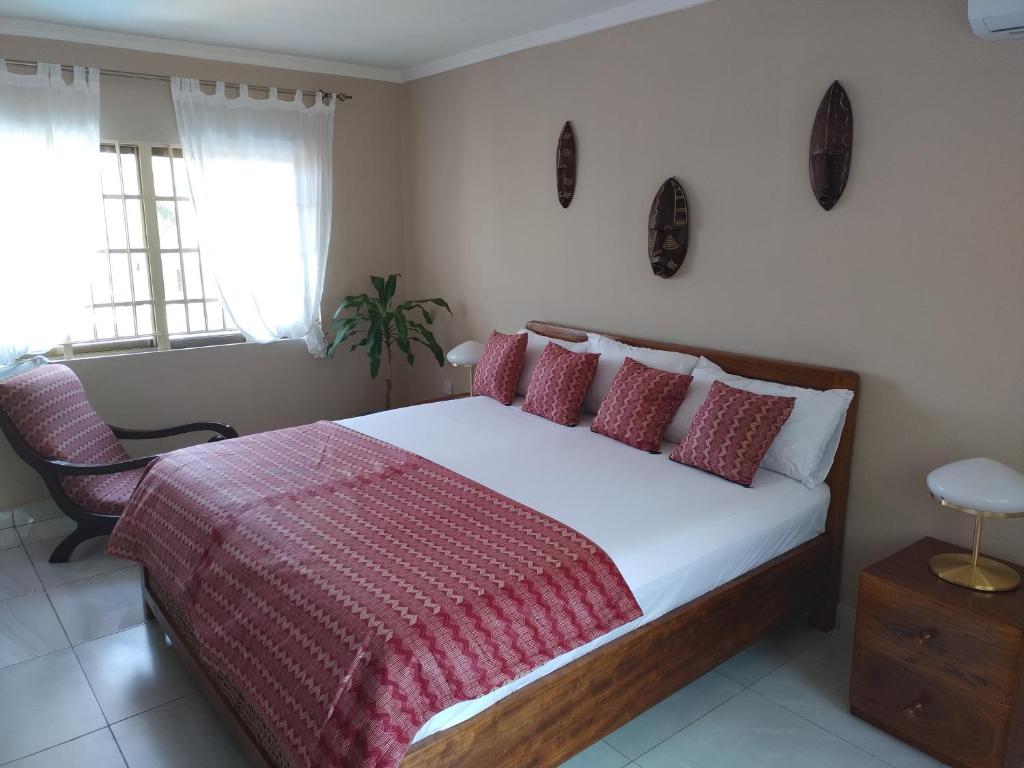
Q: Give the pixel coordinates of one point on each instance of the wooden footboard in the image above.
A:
(550, 720)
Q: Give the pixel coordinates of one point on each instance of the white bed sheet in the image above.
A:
(674, 532)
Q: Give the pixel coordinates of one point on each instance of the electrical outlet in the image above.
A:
(448, 387)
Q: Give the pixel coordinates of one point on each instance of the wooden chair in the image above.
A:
(48, 420)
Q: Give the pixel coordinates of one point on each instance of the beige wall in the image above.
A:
(914, 279)
(253, 386)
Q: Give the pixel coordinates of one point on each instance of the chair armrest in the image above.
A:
(223, 430)
(66, 468)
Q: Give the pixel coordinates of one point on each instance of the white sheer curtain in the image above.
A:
(260, 171)
(50, 203)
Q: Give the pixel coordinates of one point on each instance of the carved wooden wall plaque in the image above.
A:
(565, 165)
(831, 146)
(668, 229)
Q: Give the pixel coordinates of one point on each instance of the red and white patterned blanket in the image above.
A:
(351, 590)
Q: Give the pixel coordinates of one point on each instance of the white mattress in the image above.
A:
(674, 532)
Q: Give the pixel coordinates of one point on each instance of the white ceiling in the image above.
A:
(385, 39)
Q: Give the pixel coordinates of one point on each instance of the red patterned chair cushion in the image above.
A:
(48, 407)
(732, 431)
(640, 404)
(559, 383)
(107, 494)
(497, 373)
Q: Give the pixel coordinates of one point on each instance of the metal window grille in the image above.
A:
(148, 284)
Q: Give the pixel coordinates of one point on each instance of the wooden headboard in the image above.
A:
(797, 374)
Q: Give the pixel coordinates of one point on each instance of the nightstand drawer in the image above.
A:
(981, 658)
(941, 719)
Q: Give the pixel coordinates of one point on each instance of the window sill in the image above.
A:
(143, 346)
(206, 340)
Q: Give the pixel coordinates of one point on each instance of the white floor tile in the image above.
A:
(764, 657)
(95, 750)
(816, 686)
(28, 628)
(89, 559)
(42, 530)
(673, 714)
(599, 755)
(40, 510)
(183, 734)
(45, 701)
(9, 539)
(748, 731)
(133, 671)
(99, 606)
(52, 713)
(17, 576)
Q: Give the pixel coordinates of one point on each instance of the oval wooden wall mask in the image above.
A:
(668, 229)
(831, 146)
(565, 165)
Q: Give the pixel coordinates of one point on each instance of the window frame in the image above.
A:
(161, 340)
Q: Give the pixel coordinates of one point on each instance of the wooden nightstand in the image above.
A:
(940, 666)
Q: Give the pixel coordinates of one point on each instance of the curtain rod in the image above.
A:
(340, 95)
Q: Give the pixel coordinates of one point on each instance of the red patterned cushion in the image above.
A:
(48, 407)
(558, 384)
(103, 493)
(640, 404)
(497, 373)
(732, 431)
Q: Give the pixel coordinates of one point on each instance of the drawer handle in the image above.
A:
(914, 709)
(923, 638)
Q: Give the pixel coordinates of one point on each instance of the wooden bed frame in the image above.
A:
(559, 715)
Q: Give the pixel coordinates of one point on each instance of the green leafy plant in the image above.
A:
(383, 325)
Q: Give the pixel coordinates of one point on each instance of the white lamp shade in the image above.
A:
(467, 353)
(985, 485)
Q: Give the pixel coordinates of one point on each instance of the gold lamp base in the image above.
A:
(987, 576)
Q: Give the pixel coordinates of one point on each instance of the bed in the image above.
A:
(712, 573)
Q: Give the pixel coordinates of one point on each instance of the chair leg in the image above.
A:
(62, 552)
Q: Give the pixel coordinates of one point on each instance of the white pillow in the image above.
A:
(703, 375)
(535, 344)
(805, 446)
(613, 355)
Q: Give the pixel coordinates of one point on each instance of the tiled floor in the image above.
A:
(84, 682)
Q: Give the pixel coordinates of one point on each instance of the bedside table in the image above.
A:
(939, 666)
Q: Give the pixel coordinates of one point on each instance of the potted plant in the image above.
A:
(383, 325)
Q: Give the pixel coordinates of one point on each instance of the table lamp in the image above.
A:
(983, 488)
(467, 355)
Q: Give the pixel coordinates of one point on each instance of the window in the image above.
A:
(191, 303)
(148, 284)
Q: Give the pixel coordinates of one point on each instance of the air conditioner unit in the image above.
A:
(997, 19)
